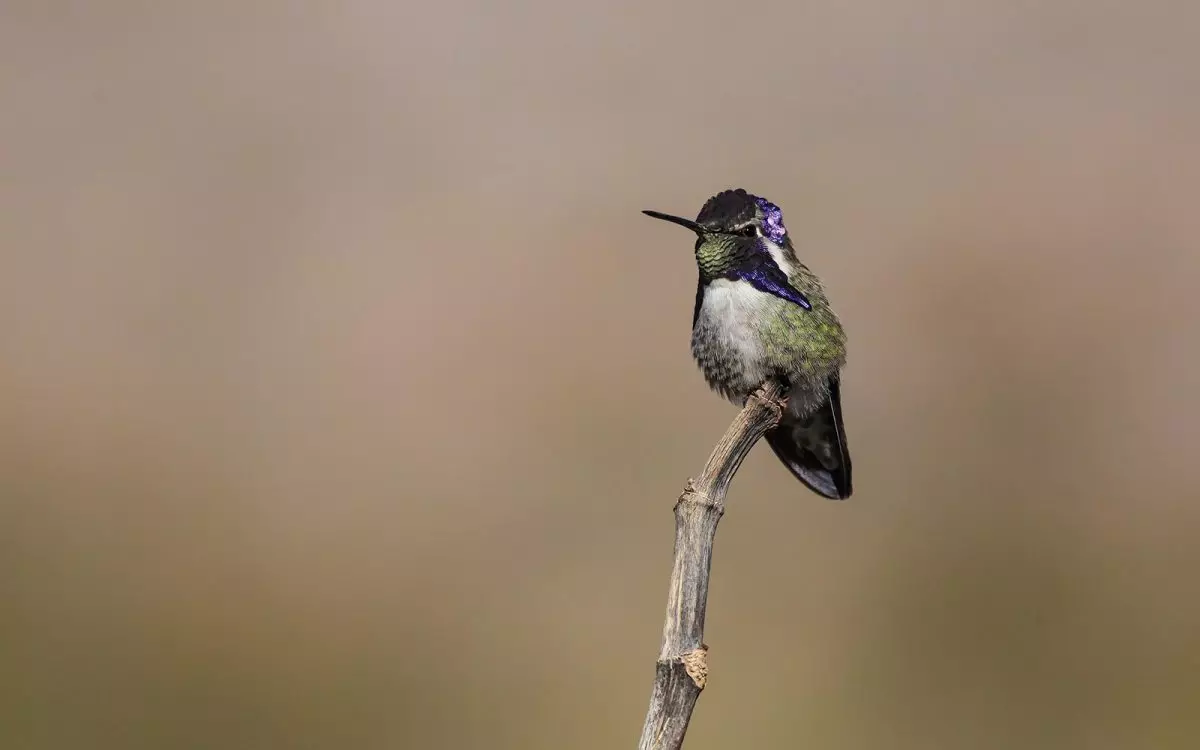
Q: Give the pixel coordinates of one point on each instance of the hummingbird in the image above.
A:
(762, 314)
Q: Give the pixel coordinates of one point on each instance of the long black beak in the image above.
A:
(677, 220)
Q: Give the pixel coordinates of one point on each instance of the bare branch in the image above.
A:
(682, 668)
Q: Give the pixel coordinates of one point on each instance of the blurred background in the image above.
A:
(345, 393)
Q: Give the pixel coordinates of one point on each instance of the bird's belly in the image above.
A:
(727, 338)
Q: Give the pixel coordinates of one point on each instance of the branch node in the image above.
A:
(692, 495)
(695, 663)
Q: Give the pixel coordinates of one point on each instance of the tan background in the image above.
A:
(344, 392)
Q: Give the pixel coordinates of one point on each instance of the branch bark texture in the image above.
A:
(682, 668)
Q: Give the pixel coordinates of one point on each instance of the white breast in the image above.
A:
(727, 327)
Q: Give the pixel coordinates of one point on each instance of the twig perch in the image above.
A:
(682, 668)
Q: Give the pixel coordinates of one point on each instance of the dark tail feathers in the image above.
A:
(815, 449)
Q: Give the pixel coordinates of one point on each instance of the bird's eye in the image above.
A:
(750, 230)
